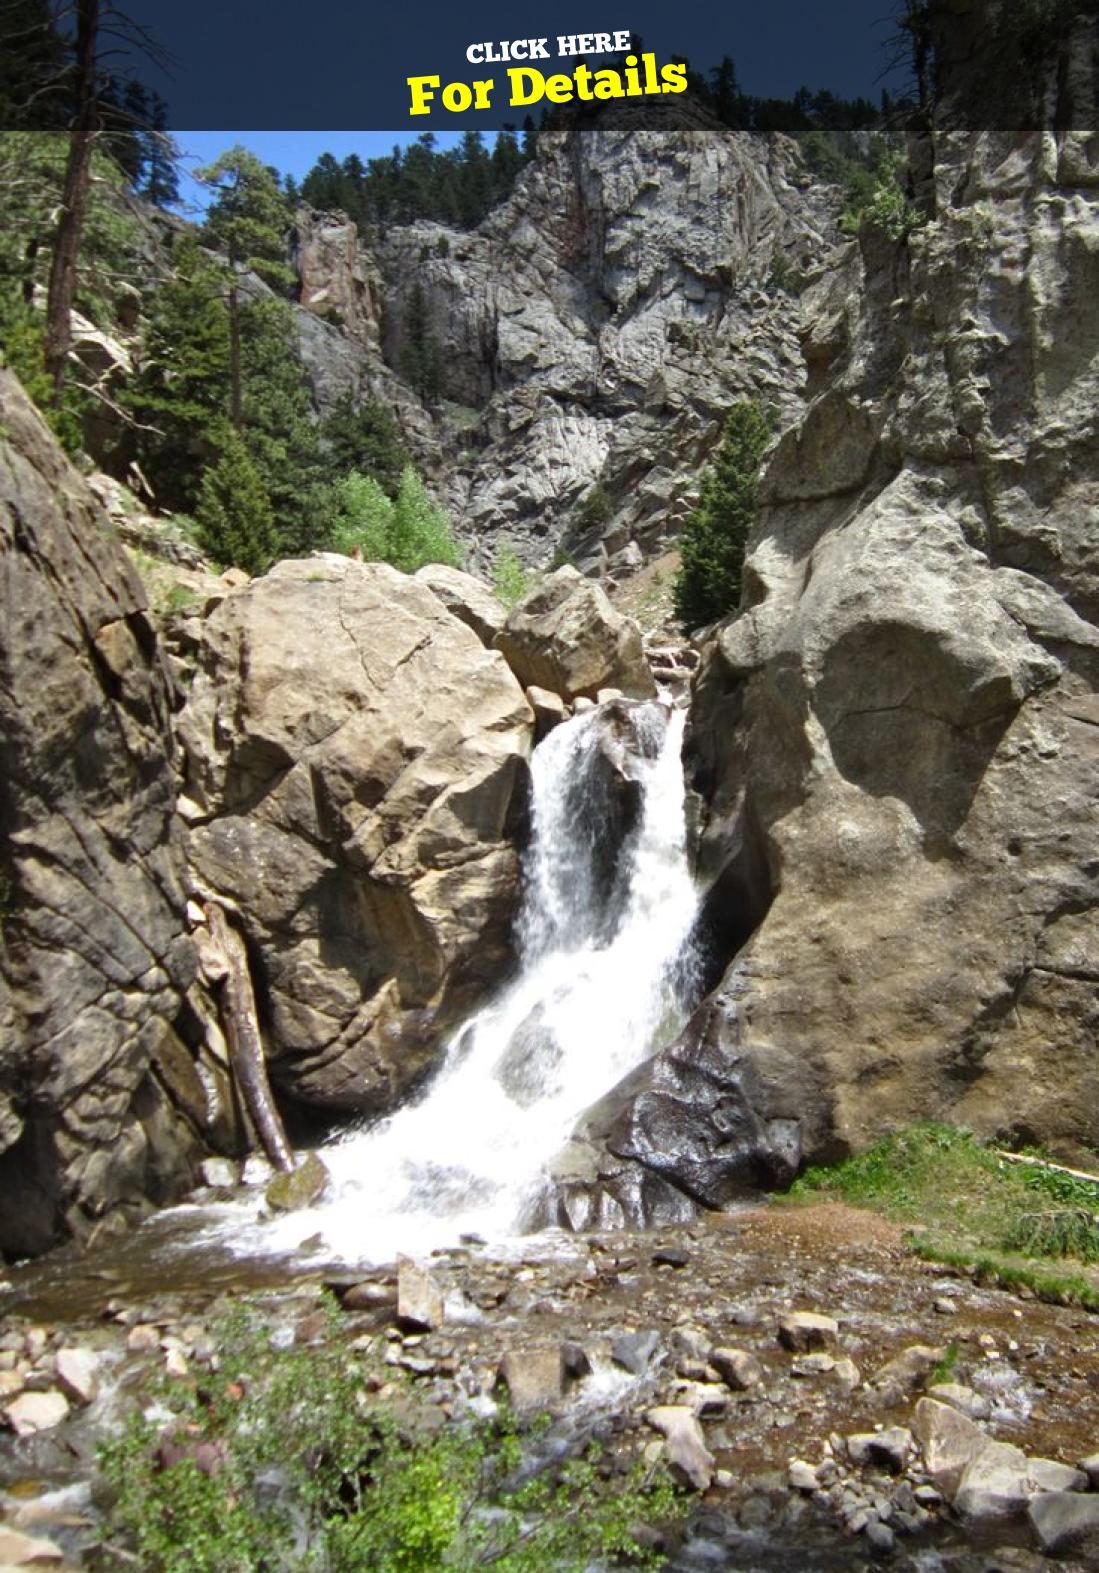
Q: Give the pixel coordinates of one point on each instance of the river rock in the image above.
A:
(1049, 1474)
(634, 1352)
(33, 1412)
(356, 778)
(101, 1103)
(1066, 1522)
(890, 1447)
(961, 1398)
(219, 1173)
(420, 1300)
(950, 1441)
(470, 601)
(534, 1378)
(684, 1444)
(566, 636)
(737, 1368)
(27, 1551)
(302, 1186)
(996, 1483)
(77, 1372)
(805, 1330)
(905, 1372)
(549, 709)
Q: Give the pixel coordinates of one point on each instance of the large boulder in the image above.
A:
(101, 1103)
(470, 599)
(895, 746)
(567, 637)
(356, 782)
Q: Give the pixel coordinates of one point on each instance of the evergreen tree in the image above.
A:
(32, 90)
(248, 220)
(421, 358)
(715, 537)
(234, 515)
(160, 177)
(366, 438)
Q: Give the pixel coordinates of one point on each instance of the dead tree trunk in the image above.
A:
(226, 961)
(74, 201)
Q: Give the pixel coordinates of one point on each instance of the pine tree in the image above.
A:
(365, 437)
(160, 180)
(421, 358)
(234, 515)
(715, 536)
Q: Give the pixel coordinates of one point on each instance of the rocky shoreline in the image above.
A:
(825, 1396)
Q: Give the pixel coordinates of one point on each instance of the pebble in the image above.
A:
(33, 1412)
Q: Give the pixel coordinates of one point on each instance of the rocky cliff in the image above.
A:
(594, 328)
(896, 744)
(105, 1101)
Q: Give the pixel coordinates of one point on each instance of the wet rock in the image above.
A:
(813, 1365)
(566, 636)
(27, 1551)
(634, 1352)
(961, 1398)
(995, 1484)
(369, 1296)
(949, 1440)
(1090, 1466)
(549, 709)
(576, 1362)
(33, 1412)
(11, 1383)
(806, 1330)
(684, 1444)
(142, 1338)
(880, 1536)
(534, 1378)
(737, 1368)
(420, 1300)
(219, 1173)
(670, 1256)
(1066, 1522)
(78, 1374)
(302, 1186)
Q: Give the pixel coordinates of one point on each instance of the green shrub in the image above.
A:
(594, 511)
(715, 537)
(407, 532)
(510, 580)
(877, 200)
(284, 1461)
(235, 520)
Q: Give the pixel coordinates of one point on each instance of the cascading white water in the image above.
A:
(600, 986)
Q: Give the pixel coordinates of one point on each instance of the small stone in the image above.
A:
(36, 1341)
(302, 1186)
(847, 1374)
(945, 1307)
(605, 695)
(256, 1170)
(803, 1476)
(575, 1360)
(684, 1444)
(1090, 1466)
(888, 1448)
(32, 1412)
(670, 1256)
(737, 1368)
(142, 1338)
(420, 1303)
(219, 1173)
(175, 1363)
(369, 1296)
(927, 1496)
(880, 1536)
(25, 1551)
(11, 1382)
(634, 1351)
(907, 1372)
(724, 1480)
(549, 709)
(78, 1374)
(1066, 1521)
(813, 1365)
(802, 1331)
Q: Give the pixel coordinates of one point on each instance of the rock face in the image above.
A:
(896, 744)
(101, 1104)
(356, 777)
(567, 637)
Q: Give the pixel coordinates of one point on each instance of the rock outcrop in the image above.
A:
(567, 637)
(356, 782)
(896, 744)
(104, 1104)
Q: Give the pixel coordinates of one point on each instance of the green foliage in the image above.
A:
(421, 357)
(594, 511)
(945, 1368)
(877, 200)
(284, 1461)
(407, 531)
(234, 516)
(365, 437)
(715, 537)
(249, 217)
(510, 580)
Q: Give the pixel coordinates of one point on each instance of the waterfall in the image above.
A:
(603, 973)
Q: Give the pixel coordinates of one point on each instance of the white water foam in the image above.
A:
(600, 987)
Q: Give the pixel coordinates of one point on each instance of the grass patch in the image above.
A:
(973, 1210)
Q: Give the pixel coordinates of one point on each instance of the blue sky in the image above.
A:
(291, 152)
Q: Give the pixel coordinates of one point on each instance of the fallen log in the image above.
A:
(1044, 1163)
(225, 964)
